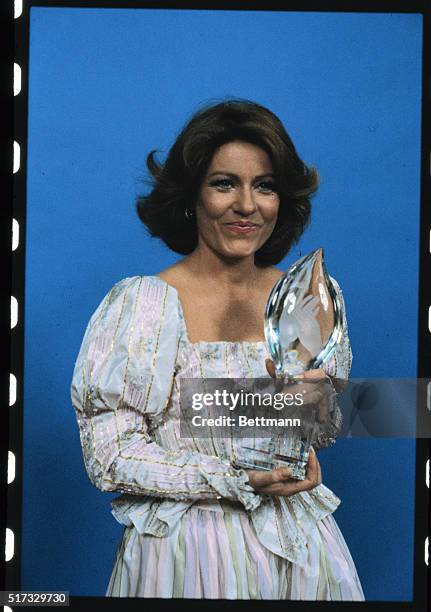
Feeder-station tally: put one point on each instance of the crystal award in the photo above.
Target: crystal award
(303, 317)
(303, 324)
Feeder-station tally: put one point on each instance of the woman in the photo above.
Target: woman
(233, 196)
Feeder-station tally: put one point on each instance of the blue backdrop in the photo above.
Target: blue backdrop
(106, 87)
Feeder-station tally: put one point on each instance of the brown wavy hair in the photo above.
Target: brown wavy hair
(175, 184)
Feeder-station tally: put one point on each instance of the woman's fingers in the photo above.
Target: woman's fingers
(311, 394)
(283, 489)
(318, 374)
(312, 375)
(270, 367)
(259, 479)
(323, 409)
(317, 394)
(314, 473)
(312, 479)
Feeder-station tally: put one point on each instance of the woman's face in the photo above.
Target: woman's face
(238, 203)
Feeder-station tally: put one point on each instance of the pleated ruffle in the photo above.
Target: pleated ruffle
(214, 553)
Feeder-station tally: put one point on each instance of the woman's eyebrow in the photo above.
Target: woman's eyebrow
(232, 175)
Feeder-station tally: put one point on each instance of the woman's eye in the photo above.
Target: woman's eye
(267, 186)
(223, 184)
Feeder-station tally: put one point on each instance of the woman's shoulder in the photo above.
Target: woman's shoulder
(176, 276)
(134, 294)
(137, 282)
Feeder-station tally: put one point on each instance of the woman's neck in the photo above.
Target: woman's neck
(210, 267)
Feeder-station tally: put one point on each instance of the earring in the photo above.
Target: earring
(189, 214)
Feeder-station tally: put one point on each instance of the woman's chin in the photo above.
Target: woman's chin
(235, 249)
(239, 253)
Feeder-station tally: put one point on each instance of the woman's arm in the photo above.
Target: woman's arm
(123, 375)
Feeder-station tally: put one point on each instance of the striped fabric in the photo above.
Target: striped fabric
(216, 554)
(194, 527)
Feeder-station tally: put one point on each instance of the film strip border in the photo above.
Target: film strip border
(12, 274)
(18, 90)
(423, 447)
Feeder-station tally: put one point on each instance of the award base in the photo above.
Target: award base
(251, 458)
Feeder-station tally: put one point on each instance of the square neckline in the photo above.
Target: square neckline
(255, 343)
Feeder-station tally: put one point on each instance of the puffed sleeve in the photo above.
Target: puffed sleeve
(338, 367)
(122, 379)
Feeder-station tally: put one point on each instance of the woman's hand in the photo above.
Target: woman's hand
(314, 386)
(278, 481)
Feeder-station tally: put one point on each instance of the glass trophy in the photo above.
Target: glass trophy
(303, 324)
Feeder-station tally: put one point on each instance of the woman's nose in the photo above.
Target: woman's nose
(245, 201)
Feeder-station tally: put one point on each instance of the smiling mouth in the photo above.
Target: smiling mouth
(242, 228)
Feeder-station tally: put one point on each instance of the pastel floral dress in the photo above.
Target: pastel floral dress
(193, 525)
